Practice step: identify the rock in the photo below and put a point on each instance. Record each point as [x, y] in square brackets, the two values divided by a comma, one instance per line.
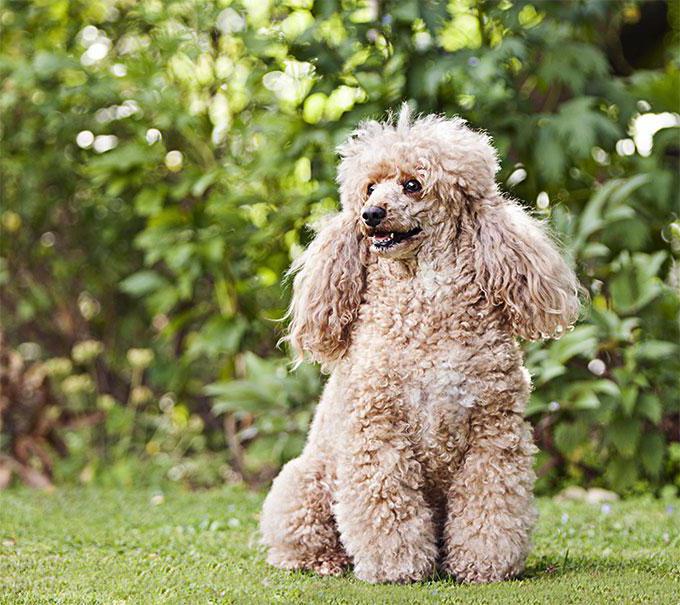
[594, 495]
[571, 493]
[597, 495]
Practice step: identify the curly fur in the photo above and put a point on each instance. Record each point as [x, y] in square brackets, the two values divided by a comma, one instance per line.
[418, 456]
[328, 285]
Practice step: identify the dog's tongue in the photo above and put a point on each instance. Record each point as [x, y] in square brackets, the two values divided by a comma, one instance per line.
[382, 237]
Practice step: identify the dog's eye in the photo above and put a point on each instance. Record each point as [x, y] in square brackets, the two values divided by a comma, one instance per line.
[412, 186]
[370, 188]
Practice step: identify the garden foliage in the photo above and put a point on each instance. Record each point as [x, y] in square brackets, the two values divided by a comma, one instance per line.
[160, 163]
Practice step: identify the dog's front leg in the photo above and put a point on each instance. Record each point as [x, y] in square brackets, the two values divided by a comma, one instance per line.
[384, 522]
[490, 512]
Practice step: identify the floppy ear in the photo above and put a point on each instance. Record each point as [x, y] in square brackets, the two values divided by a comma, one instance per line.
[327, 291]
[521, 269]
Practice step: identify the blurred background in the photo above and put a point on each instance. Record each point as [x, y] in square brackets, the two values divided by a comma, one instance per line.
[161, 160]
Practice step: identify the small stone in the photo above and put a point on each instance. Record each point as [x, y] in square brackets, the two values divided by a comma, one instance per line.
[597, 367]
[597, 495]
[571, 493]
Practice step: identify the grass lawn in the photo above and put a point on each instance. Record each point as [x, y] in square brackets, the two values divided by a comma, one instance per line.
[94, 546]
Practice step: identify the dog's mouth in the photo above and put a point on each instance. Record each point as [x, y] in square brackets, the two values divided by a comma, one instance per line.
[383, 240]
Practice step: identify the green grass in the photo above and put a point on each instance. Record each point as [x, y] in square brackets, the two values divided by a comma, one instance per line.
[93, 546]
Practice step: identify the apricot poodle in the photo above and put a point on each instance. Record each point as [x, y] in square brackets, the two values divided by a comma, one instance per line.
[412, 297]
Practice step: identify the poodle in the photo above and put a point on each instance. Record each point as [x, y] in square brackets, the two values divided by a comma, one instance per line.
[411, 297]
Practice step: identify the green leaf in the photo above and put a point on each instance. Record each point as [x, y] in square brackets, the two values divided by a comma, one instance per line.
[570, 436]
[200, 186]
[162, 300]
[549, 156]
[536, 405]
[650, 407]
[581, 341]
[636, 283]
[659, 87]
[240, 395]
[594, 249]
[580, 127]
[597, 213]
[46, 64]
[652, 449]
[629, 396]
[590, 219]
[549, 370]
[586, 401]
[407, 11]
[121, 160]
[572, 63]
[624, 434]
[219, 336]
[434, 74]
[621, 473]
[654, 350]
[605, 386]
[142, 283]
[149, 201]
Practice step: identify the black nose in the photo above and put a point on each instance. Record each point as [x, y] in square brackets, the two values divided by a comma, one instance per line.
[373, 215]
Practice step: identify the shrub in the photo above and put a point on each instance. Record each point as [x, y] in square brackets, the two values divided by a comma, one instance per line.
[161, 160]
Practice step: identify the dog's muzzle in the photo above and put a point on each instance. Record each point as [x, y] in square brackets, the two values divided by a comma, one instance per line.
[382, 240]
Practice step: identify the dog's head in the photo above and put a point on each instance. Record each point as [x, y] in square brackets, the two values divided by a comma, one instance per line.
[421, 189]
[406, 180]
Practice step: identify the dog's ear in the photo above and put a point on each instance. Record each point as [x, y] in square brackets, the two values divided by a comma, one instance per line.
[520, 268]
[327, 290]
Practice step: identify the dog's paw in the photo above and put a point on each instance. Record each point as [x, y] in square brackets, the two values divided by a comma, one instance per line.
[328, 564]
[332, 565]
[285, 560]
[399, 568]
[386, 575]
[470, 568]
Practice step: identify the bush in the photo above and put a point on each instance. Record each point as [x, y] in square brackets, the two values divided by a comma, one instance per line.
[161, 160]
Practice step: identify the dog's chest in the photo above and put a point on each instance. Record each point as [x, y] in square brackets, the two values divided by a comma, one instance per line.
[438, 396]
[435, 396]
[437, 404]
[409, 335]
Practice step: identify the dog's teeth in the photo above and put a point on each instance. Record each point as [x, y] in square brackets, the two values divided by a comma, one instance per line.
[391, 235]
